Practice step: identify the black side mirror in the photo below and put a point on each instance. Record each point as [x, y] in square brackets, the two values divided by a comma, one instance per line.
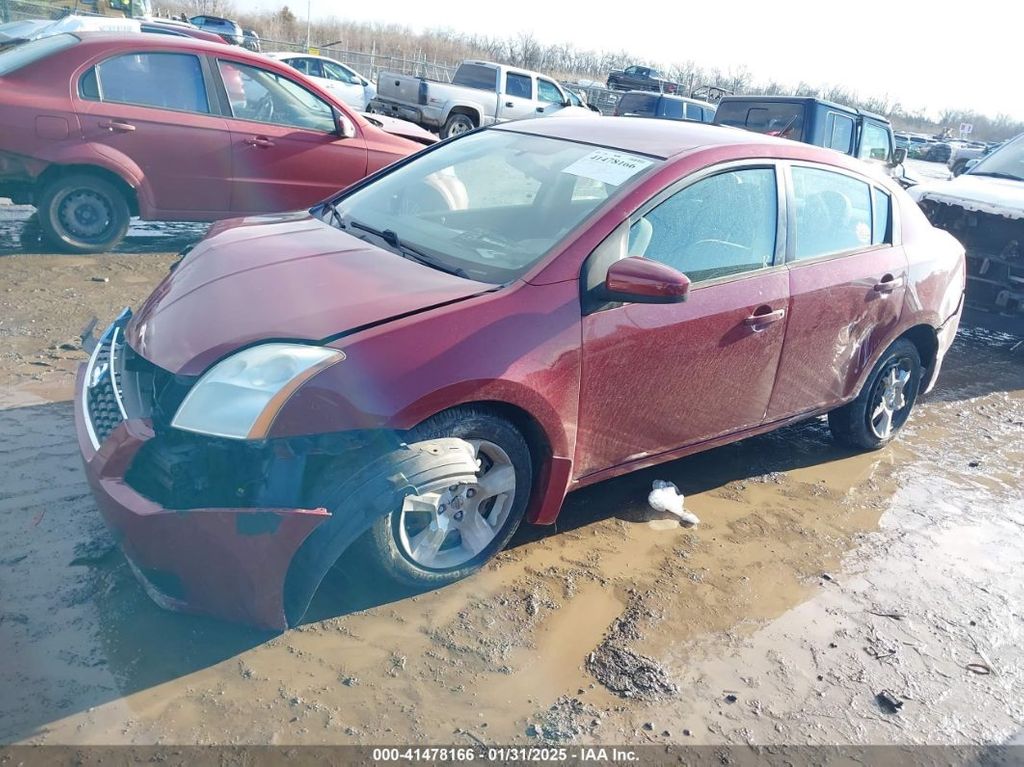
[899, 155]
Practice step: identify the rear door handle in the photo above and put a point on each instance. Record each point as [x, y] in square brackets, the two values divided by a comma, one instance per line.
[260, 141]
[888, 284]
[762, 317]
[509, 104]
[117, 127]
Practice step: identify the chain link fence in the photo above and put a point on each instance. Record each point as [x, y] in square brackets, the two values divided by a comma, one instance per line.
[369, 64]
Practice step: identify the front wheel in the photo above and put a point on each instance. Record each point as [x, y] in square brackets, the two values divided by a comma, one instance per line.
[449, 531]
[83, 213]
[456, 125]
[884, 404]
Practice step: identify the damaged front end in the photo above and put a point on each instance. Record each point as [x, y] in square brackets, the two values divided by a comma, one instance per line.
[209, 525]
[994, 244]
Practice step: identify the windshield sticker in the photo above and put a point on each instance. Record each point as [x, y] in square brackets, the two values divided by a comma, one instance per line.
[608, 166]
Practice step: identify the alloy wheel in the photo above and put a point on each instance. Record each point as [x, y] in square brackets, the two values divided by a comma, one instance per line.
[444, 528]
[889, 405]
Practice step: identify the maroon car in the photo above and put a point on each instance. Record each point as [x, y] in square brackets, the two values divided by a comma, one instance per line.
[455, 343]
[95, 128]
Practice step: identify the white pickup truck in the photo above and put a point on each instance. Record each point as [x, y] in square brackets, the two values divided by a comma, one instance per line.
[480, 93]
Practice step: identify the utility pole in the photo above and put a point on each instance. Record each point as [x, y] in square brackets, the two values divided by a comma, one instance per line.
[309, 9]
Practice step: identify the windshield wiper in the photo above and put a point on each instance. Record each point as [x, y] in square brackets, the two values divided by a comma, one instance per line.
[996, 174]
[407, 251]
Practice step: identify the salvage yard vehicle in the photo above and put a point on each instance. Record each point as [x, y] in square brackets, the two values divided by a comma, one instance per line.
[984, 209]
[95, 128]
[645, 104]
[347, 84]
[815, 121]
[639, 78]
[229, 31]
[409, 374]
[480, 93]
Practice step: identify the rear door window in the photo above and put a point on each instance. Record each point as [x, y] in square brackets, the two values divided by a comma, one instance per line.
[839, 132]
[307, 66]
[722, 225]
[694, 112]
[520, 86]
[162, 80]
[832, 213]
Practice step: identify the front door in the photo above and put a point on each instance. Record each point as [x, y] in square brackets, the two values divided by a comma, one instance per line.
[660, 377]
[847, 281]
[285, 148]
[153, 108]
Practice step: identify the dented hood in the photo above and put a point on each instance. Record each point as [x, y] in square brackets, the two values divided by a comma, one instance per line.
[985, 194]
[286, 277]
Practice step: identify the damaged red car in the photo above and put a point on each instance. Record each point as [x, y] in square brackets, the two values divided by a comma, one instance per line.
[447, 348]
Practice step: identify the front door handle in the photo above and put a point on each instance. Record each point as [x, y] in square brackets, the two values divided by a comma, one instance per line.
[115, 126]
[762, 317]
[888, 284]
[509, 104]
[259, 141]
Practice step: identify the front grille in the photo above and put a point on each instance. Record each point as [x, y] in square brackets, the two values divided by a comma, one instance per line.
[103, 395]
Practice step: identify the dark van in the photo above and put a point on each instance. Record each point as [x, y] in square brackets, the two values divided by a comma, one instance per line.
[667, 107]
[815, 121]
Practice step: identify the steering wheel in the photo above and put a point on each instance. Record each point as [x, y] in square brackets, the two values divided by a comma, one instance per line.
[264, 109]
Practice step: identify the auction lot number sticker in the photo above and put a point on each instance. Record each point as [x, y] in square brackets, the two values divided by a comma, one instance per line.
[608, 166]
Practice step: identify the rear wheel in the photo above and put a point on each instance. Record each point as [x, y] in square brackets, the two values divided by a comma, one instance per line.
[83, 213]
[884, 404]
[447, 531]
[456, 125]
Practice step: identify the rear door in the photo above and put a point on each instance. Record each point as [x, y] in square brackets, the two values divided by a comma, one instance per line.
[660, 377]
[286, 151]
[155, 108]
[517, 100]
[847, 279]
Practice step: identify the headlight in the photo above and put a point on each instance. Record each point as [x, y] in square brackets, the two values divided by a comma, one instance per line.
[240, 396]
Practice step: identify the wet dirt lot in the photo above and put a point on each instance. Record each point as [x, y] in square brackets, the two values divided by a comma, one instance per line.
[817, 579]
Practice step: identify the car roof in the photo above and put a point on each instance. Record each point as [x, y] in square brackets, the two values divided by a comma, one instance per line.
[671, 97]
[803, 100]
[113, 41]
[651, 136]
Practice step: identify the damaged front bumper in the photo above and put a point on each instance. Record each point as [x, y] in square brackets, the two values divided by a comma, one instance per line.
[229, 562]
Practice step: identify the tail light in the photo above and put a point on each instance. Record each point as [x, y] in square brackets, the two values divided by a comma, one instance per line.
[423, 92]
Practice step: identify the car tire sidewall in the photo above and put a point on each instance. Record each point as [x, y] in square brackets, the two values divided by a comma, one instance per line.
[380, 541]
[850, 423]
[458, 119]
[54, 231]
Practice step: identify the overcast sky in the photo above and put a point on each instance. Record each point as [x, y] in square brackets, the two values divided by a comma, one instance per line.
[930, 55]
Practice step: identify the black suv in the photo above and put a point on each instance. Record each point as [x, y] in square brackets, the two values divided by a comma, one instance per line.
[226, 28]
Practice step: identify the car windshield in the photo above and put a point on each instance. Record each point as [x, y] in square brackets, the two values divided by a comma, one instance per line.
[1005, 162]
[488, 206]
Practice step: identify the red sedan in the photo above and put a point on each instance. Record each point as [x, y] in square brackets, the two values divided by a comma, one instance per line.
[95, 128]
[452, 345]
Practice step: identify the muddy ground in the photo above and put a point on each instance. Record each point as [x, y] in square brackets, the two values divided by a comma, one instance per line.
[817, 579]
